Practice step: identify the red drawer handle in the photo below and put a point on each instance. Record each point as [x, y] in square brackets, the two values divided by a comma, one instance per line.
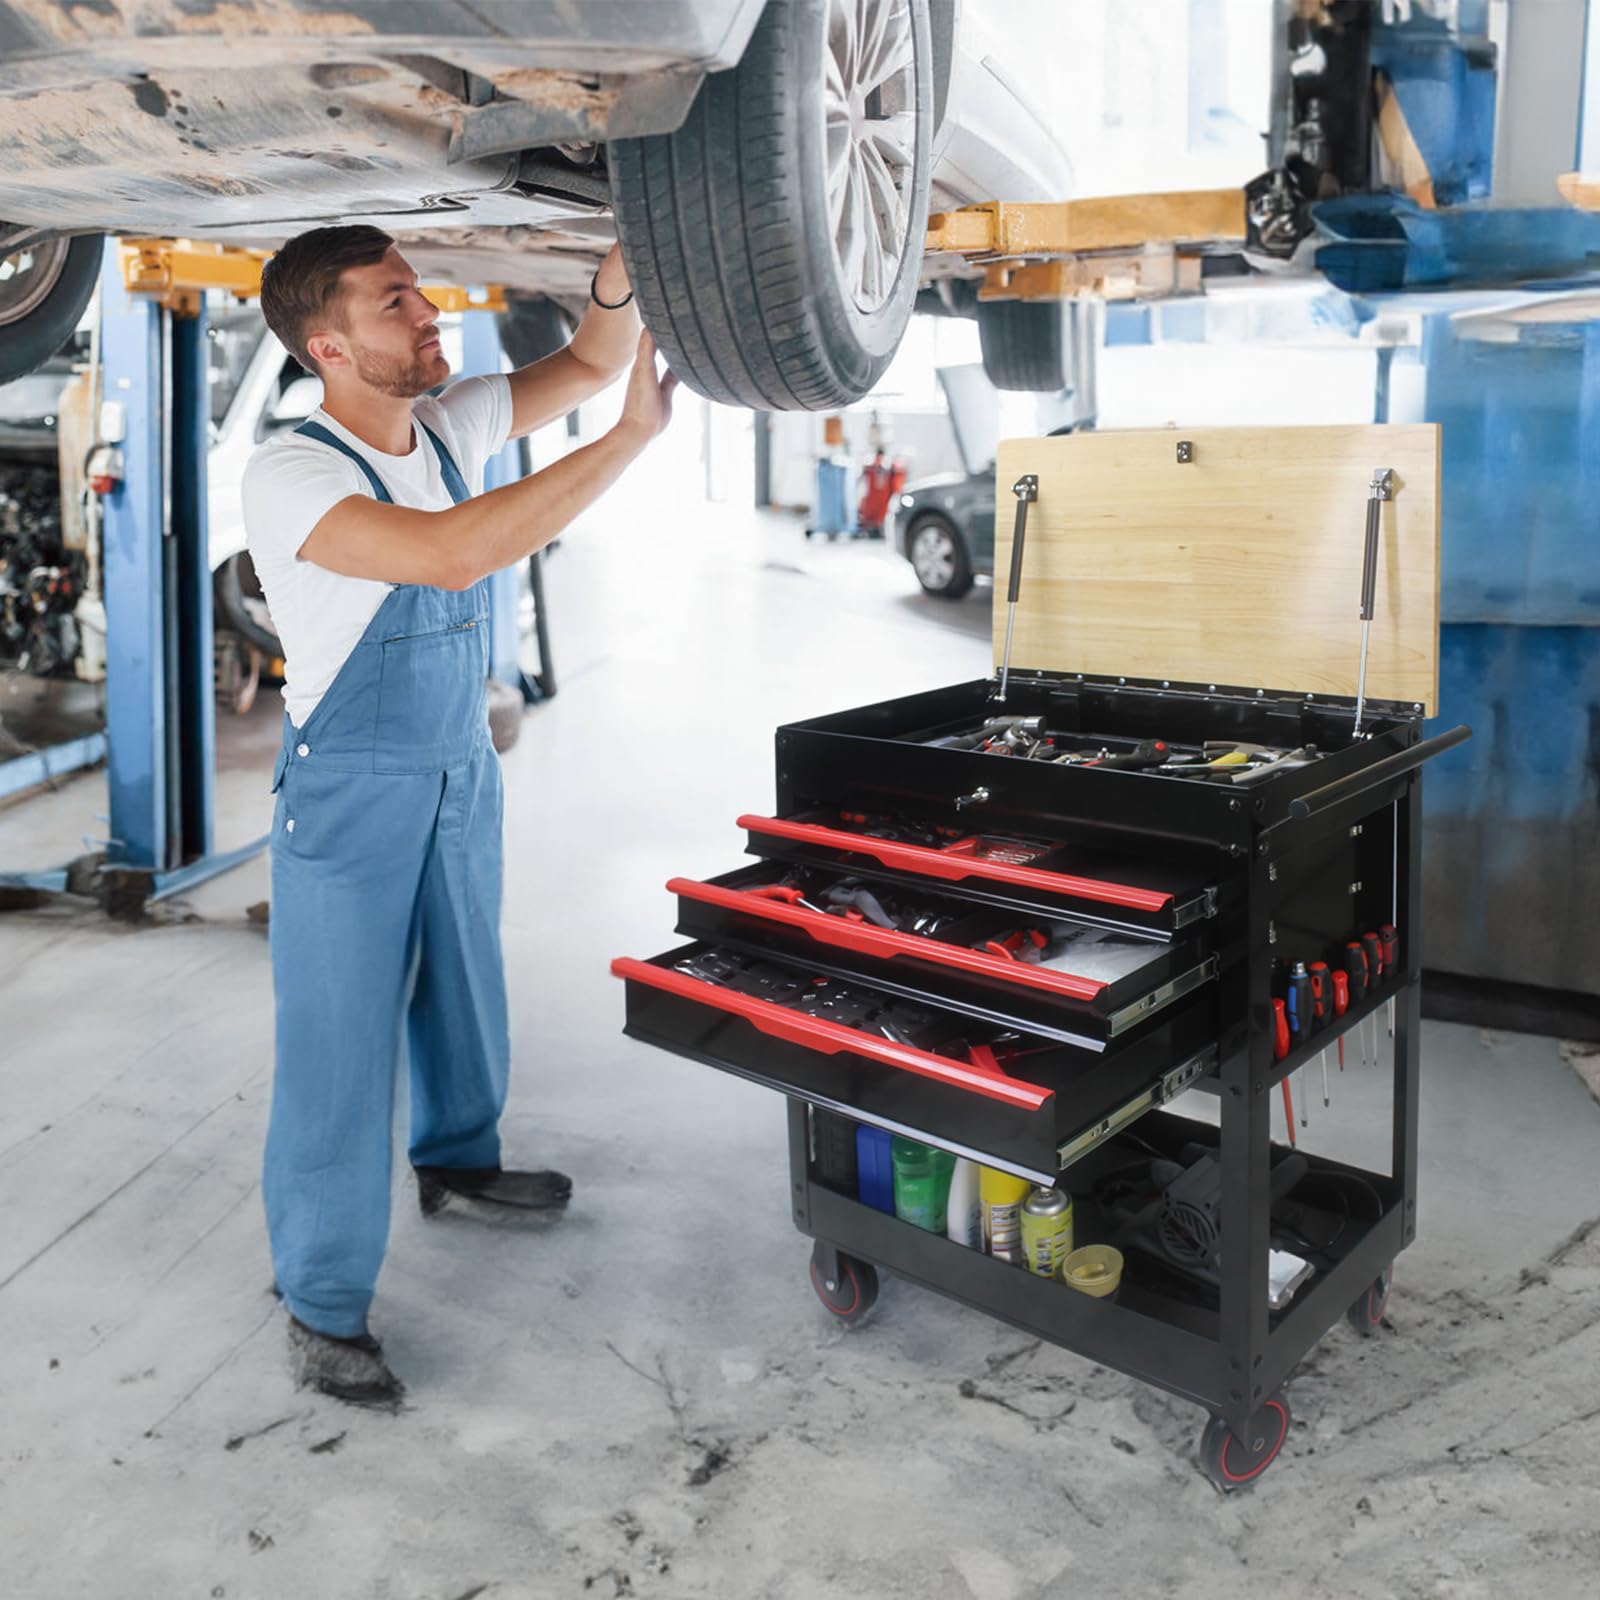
[829, 1038]
[935, 864]
[868, 940]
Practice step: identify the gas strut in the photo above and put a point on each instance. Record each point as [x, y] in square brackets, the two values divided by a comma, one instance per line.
[1026, 489]
[1382, 489]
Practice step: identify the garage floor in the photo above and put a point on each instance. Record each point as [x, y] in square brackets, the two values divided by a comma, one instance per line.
[645, 1399]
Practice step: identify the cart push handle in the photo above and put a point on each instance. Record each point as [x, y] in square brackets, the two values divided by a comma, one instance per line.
[1380, 772]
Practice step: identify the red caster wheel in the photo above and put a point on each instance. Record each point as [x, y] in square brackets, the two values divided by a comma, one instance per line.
[1365, 1315]
[1231, 1463]
[848, 1290]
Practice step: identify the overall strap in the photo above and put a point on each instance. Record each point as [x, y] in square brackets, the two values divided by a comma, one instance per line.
[453, 481]
[315, 430]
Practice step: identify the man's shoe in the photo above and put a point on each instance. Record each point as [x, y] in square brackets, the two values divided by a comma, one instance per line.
[492, 1187]
[352, 1370]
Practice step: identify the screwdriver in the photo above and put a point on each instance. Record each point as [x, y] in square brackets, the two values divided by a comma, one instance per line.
[1149, 753]
[1373, 946]
[1389, 944]
[1299, 1008]
[1280, 1048]
[1321, 1014]
[1341, 1004]
[1355, 966]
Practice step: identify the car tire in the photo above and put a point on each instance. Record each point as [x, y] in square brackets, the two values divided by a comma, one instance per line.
[938, 556]
[38, 314]
[239, 604]
[532, 328]
[1026, 344]
[727, 224]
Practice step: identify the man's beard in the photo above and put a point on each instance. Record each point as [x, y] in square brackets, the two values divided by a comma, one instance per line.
[404, 379]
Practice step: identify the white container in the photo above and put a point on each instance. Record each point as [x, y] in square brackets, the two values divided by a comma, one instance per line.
[964, 1216]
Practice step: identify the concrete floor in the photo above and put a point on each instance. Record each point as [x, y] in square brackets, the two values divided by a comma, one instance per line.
[645, 1399]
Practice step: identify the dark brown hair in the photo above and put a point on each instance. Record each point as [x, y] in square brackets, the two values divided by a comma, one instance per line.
[300, 283]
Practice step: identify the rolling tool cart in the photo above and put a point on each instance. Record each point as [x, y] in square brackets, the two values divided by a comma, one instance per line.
[1013, 919]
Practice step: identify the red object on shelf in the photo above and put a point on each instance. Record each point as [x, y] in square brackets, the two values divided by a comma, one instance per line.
[939, 864]
[869, 940]
[830, 1038]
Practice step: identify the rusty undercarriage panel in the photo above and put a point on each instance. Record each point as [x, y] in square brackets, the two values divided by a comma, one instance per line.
[250, 120]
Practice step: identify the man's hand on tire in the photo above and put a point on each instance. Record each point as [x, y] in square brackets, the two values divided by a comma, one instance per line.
[647, 405]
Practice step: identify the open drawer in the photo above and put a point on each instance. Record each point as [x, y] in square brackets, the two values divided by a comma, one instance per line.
[1061, 978]
[1033, 877]
[1009, 1098]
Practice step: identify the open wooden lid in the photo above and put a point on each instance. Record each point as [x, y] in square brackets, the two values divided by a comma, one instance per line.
[1240, 566]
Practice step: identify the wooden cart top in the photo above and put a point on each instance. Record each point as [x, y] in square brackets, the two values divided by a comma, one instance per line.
[1239, 566]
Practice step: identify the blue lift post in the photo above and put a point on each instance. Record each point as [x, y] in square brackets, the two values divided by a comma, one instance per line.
[160, 706]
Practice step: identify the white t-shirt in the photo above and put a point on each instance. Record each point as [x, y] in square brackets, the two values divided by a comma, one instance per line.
[292, 482]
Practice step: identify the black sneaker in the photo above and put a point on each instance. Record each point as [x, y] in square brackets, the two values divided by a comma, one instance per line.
[352, 1370]
[491, 1188]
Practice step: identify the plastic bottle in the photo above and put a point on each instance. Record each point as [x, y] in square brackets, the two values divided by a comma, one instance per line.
[874, 1173]
[964, 1211]
[921, 1184]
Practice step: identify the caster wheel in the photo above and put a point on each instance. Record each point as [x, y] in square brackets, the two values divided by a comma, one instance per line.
[854, 1291]
[1230, 1464]
[1365, 1315]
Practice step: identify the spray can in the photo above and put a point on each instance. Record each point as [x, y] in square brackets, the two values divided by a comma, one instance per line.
[1046, 1231]
[1000, 1195]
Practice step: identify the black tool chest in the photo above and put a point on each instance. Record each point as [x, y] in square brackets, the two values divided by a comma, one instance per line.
[1023, 959]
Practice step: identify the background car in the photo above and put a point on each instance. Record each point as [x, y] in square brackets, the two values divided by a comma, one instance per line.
[768, 165]
[944, 523]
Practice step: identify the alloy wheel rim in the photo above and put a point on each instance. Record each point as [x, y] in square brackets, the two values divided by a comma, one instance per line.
[933, 557]
[27, 276]
[869, 141]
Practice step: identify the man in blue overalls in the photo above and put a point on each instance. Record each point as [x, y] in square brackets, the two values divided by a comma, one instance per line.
[374, 548]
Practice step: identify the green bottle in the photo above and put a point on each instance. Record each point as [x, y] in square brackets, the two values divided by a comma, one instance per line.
[921, 1183]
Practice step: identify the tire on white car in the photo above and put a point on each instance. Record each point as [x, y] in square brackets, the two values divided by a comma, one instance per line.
[44, 289]
[774, 241]
[1026, 344]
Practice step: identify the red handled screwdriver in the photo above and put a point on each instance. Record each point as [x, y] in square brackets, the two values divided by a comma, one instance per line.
[1389, 945]
[1321, 1013]
[1355, 967]
[1280, 1048]
[1373, 946]
[1341, 1004]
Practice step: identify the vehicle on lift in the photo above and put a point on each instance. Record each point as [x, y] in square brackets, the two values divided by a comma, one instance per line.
[768, 165]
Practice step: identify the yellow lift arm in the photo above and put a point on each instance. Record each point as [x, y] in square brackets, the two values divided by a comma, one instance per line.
[1117, 246]
[179, 271]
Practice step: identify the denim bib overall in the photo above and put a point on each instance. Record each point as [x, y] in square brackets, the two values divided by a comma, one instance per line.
[386, 863]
